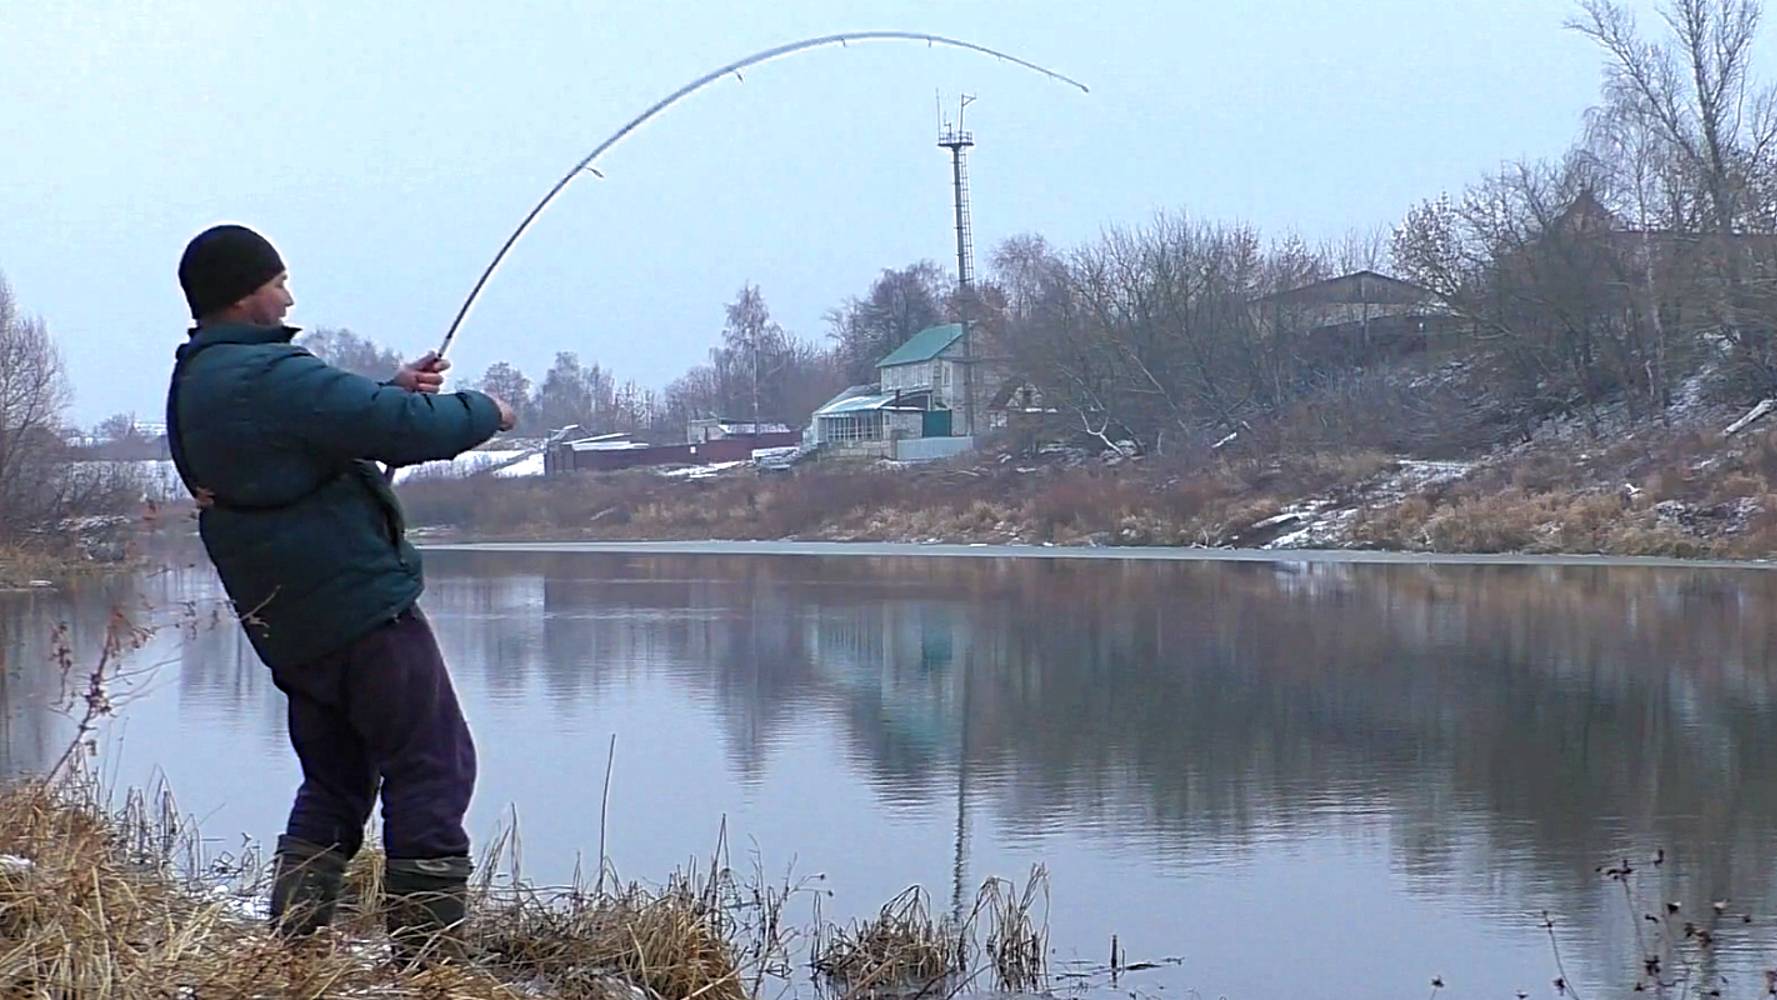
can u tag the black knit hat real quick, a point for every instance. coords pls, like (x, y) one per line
(223, 265)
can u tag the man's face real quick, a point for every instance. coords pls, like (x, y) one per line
(268, 303)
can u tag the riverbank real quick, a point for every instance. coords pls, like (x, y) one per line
(26, 568)
(1664, 492)
(1146, 553)
(77, 547)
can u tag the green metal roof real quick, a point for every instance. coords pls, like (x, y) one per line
(924, 345)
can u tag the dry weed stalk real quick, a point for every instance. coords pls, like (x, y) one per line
(904, 949)
(1677, 959)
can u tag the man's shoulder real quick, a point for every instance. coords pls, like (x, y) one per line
(229, 350)
(240, 359)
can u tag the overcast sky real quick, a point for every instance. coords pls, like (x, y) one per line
(387, 149)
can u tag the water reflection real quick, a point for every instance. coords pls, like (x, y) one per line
(1474, 740)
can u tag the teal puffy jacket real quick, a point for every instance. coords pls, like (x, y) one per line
(307, 537)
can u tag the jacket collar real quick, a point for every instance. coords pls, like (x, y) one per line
(205, 334)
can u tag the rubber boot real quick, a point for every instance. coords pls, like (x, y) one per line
(306, 882)
(425, 901)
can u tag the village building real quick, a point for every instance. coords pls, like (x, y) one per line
(1354, 317)
(921, 408)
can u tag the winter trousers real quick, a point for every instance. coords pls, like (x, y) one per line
(381, 711)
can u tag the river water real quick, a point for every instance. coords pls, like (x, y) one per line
(1292, 779)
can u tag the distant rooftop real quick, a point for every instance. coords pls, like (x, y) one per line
(1358, 287)
(924, 345)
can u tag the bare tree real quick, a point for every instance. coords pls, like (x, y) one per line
(1356, 250)
(900, 303)
(355, 353)
(754, 357)
(573, 393)
(1698, 91)
(693, 395)
(39, 487)
(33, 393)
(507, 382)
(119, 428)
(1713, 129)
(1144, 334)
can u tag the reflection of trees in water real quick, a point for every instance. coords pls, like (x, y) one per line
(33, 729)
(578, 629)
(492, 627)
(1512, 726)
(1518, 725)
(198, 649)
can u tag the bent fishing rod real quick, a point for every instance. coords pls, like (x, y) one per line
(732, 69)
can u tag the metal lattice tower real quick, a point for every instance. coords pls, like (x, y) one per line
(958, 140)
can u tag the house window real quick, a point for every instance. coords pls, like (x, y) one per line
(852, 428)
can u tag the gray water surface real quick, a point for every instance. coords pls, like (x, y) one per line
(1301, 779)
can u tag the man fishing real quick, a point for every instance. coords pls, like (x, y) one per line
(279, 449)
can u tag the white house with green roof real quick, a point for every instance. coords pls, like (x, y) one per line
(919, 397)
(930, 361)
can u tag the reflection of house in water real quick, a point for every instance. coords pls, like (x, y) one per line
(906, 659)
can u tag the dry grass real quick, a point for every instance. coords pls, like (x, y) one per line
(1679, 493)
(82, 914)
(21, 564)
(1170, 502)
(580, 944)
(1017, 943)
(1516, 520)
(100, 904)
(901, 945)
(904, 950)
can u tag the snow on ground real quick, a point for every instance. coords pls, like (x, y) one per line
(470, 463)
(243, 903)
(530, 465)
(1322, 521)
(701, 471)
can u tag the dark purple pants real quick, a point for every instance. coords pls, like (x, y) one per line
(382, 709)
